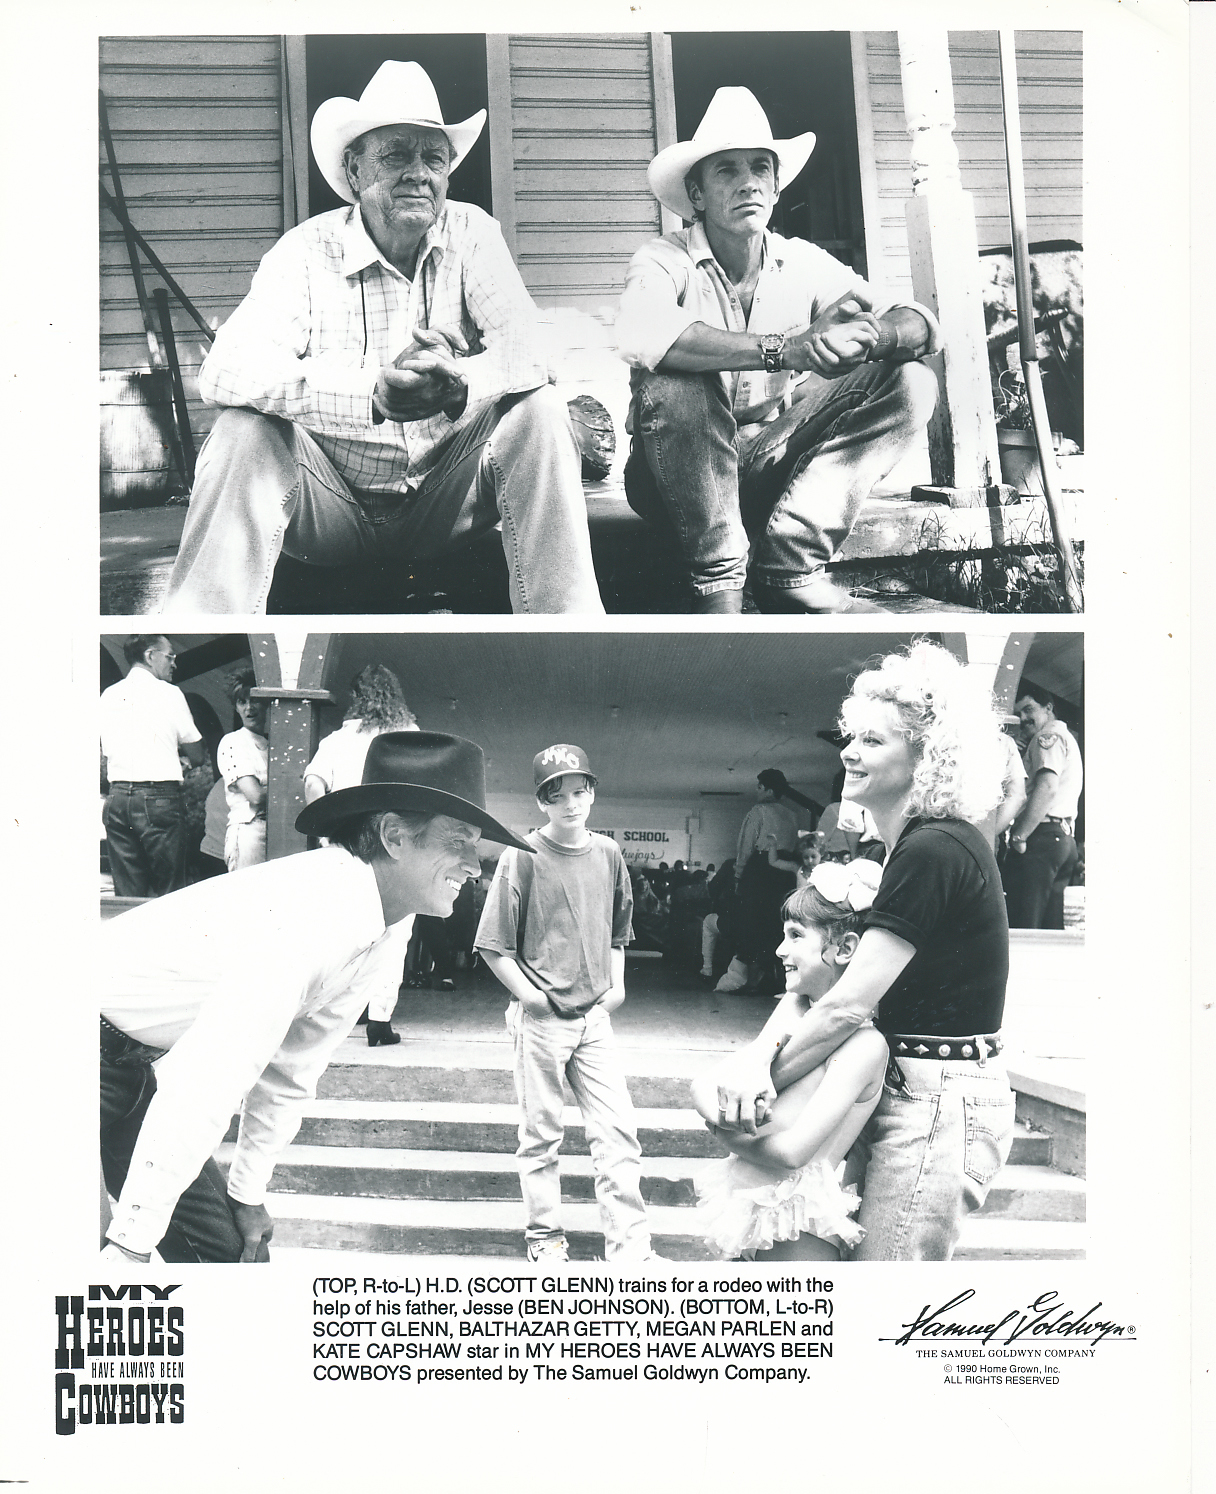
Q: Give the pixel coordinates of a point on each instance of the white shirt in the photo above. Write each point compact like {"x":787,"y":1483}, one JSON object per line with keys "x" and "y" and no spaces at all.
{"x":250,"y":981}
{"x":675,"y":281}
{"x":242,"y":754}
{"x":339,"y":758}
{"x":1055,"y":749}
{"x":143,"y":723}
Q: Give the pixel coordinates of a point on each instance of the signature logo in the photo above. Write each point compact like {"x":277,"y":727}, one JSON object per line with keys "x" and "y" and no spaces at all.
{"x":1046,"y":1317}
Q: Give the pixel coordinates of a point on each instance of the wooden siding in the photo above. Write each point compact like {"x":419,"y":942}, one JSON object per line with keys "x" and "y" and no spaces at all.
{"x":1050,"y":94}
{"x":197,"y":133}
{"x":583,"y":132}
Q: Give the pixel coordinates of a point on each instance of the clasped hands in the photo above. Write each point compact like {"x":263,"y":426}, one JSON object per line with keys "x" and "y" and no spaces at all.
{"x":425,"y":378}
{"x":840,"y":339}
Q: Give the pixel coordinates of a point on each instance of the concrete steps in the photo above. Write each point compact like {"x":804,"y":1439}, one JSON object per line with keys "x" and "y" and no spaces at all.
{"x":409,"y":1151}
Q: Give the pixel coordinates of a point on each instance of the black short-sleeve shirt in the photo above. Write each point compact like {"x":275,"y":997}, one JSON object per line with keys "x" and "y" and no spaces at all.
{"x":941,"y":891}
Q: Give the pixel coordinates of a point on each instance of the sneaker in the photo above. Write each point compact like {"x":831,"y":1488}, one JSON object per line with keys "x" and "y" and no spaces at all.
{"x":736,"y":977}
{"x":548,"y":1252}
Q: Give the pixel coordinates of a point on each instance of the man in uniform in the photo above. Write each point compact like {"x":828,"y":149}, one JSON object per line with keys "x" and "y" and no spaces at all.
{"x":243,"y":986}
{"x":385,"y":393}
{"x":771,"y":387}
{"x":1042,"y":851}
{"x":146,"y":728}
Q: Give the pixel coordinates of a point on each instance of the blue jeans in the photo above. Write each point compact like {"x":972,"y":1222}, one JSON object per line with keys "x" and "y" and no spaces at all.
{"x":792,"y":487}
{"x":583,"y":1051}
{"x":930,"y":1153}
{"x":201,"y":1227}
{"x":146,"y":838}
{"x":264,"y":487}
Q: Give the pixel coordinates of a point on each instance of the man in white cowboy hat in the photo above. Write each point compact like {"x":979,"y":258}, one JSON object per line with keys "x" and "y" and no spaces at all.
{"x":247,"y":984}
{"x":771,"y":390}
{"x":384,"y":391}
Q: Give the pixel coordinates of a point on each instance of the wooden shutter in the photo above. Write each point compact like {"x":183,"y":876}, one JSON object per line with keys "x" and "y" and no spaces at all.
{"x":197,"y":132}
{"x":1050,"y":94}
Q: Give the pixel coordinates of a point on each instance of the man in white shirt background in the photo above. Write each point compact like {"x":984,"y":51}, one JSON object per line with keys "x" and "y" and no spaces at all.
{"x":246,"y":985}
{"x":146,"y":728}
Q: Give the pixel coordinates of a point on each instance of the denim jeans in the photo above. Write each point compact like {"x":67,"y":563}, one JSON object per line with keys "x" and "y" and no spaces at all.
{"x":146,"y":839}
{"x":263,"y":487}
{"x":583,"y":1050}
{"x":1035,"y":880}
{"x":930,"y":1153}
{"x":201,"y":1227}
{"x":792,"y":487}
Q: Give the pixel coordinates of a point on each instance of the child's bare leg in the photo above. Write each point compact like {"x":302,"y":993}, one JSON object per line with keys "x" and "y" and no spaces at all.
{"x":804,"y":1248}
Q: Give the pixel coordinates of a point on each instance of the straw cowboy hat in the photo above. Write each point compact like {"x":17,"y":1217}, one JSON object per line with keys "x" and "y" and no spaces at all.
{"x":414,"y":772}
{"x":733,"y":121}
{"x":399,"y":94}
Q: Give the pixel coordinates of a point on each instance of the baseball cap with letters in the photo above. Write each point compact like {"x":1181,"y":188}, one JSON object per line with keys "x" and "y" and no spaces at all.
{"x":556,"y":761}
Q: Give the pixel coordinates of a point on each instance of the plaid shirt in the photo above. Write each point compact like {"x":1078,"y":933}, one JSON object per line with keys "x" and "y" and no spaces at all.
{"x":326,"y":310}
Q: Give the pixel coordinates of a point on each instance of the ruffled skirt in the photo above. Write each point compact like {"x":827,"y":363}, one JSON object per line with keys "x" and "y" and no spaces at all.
{"x":743,"y":1208}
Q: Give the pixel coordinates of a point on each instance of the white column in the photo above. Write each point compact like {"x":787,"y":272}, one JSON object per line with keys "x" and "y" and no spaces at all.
{"x":944,"y":251}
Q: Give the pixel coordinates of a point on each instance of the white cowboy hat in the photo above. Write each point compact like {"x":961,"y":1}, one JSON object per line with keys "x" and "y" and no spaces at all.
{"x":399,"y":94}
{"x":733,"y":121}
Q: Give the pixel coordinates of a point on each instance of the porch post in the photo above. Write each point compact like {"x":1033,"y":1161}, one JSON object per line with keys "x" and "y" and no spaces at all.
{"x":944,"y":252}
{"x":279,"y":661}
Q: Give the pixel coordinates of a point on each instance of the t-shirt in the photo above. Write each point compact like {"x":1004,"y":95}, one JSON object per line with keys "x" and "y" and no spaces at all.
{"x":559,"y":914}
{"x":1055,"y":748}
{"x":941,"y":891}
{"x":339,"y":758}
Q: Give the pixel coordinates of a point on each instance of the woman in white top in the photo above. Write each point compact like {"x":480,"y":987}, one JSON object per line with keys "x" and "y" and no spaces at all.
{"x":377,"y":704}
{"x":243,"y":762}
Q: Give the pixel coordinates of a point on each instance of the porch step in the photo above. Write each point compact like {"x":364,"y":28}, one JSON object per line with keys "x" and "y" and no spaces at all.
{"x":434,"y":1227}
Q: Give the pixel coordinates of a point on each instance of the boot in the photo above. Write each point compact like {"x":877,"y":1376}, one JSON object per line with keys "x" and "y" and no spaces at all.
{"x":361,"y":1019}
{"x":381,"y":1034}
{"x":820,"y":594}
{"x":719,"y":601}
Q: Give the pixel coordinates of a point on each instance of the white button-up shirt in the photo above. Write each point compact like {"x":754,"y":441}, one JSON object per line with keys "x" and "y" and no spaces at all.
{"x":250,"y":981}
{"x":675,"y":281}
{"x":143,"y":722}
{"x":326,"y":311}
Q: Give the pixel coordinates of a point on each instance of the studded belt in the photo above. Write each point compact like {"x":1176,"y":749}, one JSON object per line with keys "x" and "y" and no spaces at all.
{"x":977,"y":1049}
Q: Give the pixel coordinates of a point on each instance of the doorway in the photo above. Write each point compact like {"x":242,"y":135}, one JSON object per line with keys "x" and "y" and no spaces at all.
{"x":456,"y":64}
{"x":804,"y":81}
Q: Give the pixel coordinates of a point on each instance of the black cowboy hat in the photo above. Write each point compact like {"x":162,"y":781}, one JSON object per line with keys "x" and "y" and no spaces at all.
{"x":414,"y":772}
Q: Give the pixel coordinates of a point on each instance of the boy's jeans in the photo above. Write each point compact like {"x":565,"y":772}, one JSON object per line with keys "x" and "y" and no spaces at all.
{"x":584,"y":1051}
{"x":794,"y":485}
{"x":933,"y":1151}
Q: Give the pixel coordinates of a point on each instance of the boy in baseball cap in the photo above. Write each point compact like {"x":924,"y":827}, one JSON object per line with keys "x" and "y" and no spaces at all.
{"x":554,"y":931}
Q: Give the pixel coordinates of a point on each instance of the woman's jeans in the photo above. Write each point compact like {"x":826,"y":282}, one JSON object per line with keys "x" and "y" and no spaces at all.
{"x":930,"y":1153}
{"x":793,"y":486}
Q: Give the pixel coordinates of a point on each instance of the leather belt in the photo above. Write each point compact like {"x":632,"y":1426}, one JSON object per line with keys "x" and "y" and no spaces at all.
{"x":1060,"y":819}
{"x":162,"y":785}
{"x":117,"y":1045}
{"x":977,"y":1049}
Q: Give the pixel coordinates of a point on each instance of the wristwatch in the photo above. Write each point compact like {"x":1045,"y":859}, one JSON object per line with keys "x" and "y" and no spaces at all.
{"x":772,"y":345}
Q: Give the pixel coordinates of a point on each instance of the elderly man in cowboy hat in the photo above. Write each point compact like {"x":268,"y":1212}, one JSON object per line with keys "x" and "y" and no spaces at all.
{"x":247,"y":983}
{"x":384,"y":394}
{"x":771,"y":390}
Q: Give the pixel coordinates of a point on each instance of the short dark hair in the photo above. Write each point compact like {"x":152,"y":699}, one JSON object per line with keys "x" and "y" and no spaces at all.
{"x":548,"y":791}
{"x":1036,"y":692}
{"x":772,"y":779}
{"x":361,"y":834}
{"x":138,"y":645}
{"x":810,"y":907}
{"x":239,"y":683}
